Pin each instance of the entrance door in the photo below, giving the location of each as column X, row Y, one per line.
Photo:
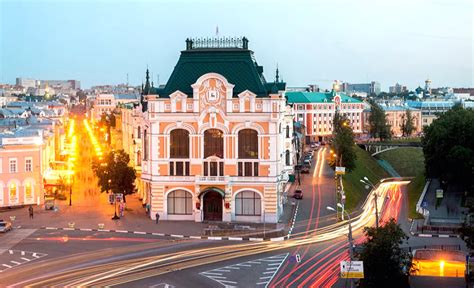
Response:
column 212, row 206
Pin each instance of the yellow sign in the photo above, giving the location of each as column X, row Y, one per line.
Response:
column 340, row 170
column 352, row 269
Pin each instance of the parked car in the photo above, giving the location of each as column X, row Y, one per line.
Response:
column 307, row 162
column 5, row 226
column 298, row 194
column 305, row 169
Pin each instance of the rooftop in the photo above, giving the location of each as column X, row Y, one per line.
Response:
column 317, row 97
column 229, row 57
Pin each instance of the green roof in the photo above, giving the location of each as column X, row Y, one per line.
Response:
column 317, row 97
column 237, row 65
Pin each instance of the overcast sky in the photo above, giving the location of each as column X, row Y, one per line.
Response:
column 99, row 42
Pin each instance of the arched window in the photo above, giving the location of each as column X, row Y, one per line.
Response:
column 179, row 151
column 179, row 143
column 248, row 203
column 13, row 193
column 287, row 157
column 180, row 202
column 213, row 143
column 139, row 132
column 248, row 149
column 139, row 158
column 29, row 196
column 145, row 145
column 287, row 131
column 248, row 144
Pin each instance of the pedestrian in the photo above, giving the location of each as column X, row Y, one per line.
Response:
column 30, row 211
column 157, row 217
column 147, row 209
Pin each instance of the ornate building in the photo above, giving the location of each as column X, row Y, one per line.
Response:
column 315, row 110
column 217, row 138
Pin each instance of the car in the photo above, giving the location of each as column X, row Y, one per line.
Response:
column 307, row 161
column 298, row 194
column 5, row 226
column 305, row 169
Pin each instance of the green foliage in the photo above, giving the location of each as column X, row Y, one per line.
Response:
column 448, row 146
column 379, row 128
column 114, row 174
column 343, row 143
column 365, row 166
column 385, row 263
column 407, row 125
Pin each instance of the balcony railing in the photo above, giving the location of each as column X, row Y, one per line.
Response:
column 212, row 179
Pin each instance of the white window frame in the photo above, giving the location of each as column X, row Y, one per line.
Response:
column 10, row 165
column 26, row 165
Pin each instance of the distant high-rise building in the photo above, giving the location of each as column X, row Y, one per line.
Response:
column 428, row 86
column 397, row 89
column 26, row 83
column 369, row 88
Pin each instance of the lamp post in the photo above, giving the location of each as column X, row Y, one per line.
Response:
column 70, row 191
column 367, row 182
column 351, row 253
column 116, row 217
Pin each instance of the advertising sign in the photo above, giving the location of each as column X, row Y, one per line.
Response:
column 352, row 269
column 340, row 170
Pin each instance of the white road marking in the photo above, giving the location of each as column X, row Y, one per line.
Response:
column 195, row 237
column 22, row 253
column 227, row 277
column 121, row 231
column 138, row 232
column 177, row 236
column 8, row 266
column 160, row 234
column 10, row 251
column 25, row 259
column 16, row 263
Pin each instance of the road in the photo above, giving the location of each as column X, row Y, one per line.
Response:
column 59, row 258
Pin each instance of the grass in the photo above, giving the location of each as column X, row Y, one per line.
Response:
column 408, row 162
column 414, row 191
column 365, row 166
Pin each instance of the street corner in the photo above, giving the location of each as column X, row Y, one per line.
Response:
column 10, row 259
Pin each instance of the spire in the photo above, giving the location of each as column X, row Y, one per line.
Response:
column 146, row 90
column 277, row 77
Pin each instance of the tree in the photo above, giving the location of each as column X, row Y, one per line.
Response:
column 448, row 147
column 343, row 143
column 385, row 263
column 407, row 125
column 114, row 174
column 379, row 128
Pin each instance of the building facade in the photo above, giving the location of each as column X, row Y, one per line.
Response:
column 369, row 88
column 24, row 156
column 216, row 138
column 430, row 110
column 396, row 116
column 315, row 110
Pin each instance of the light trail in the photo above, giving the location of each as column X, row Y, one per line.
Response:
column 317, row 172
column 145, row 267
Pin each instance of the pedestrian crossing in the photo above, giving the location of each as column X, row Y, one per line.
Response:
column 13, row 258
column 10, row 239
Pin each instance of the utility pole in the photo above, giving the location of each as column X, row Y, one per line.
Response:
column 376, row 209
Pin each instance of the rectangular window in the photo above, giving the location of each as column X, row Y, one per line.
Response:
column 28, row 165
column 248, row 168
column 179, row 168
column 240, row 170
column 13, row 166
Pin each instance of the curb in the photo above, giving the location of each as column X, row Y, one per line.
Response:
column 215, row 238
column 433, row 235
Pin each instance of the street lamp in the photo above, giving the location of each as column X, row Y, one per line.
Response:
column 350, row 228
column 368, row 183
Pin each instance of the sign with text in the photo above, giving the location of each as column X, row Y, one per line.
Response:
column 340, row 170
column 439, row 193
column 352, row 269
